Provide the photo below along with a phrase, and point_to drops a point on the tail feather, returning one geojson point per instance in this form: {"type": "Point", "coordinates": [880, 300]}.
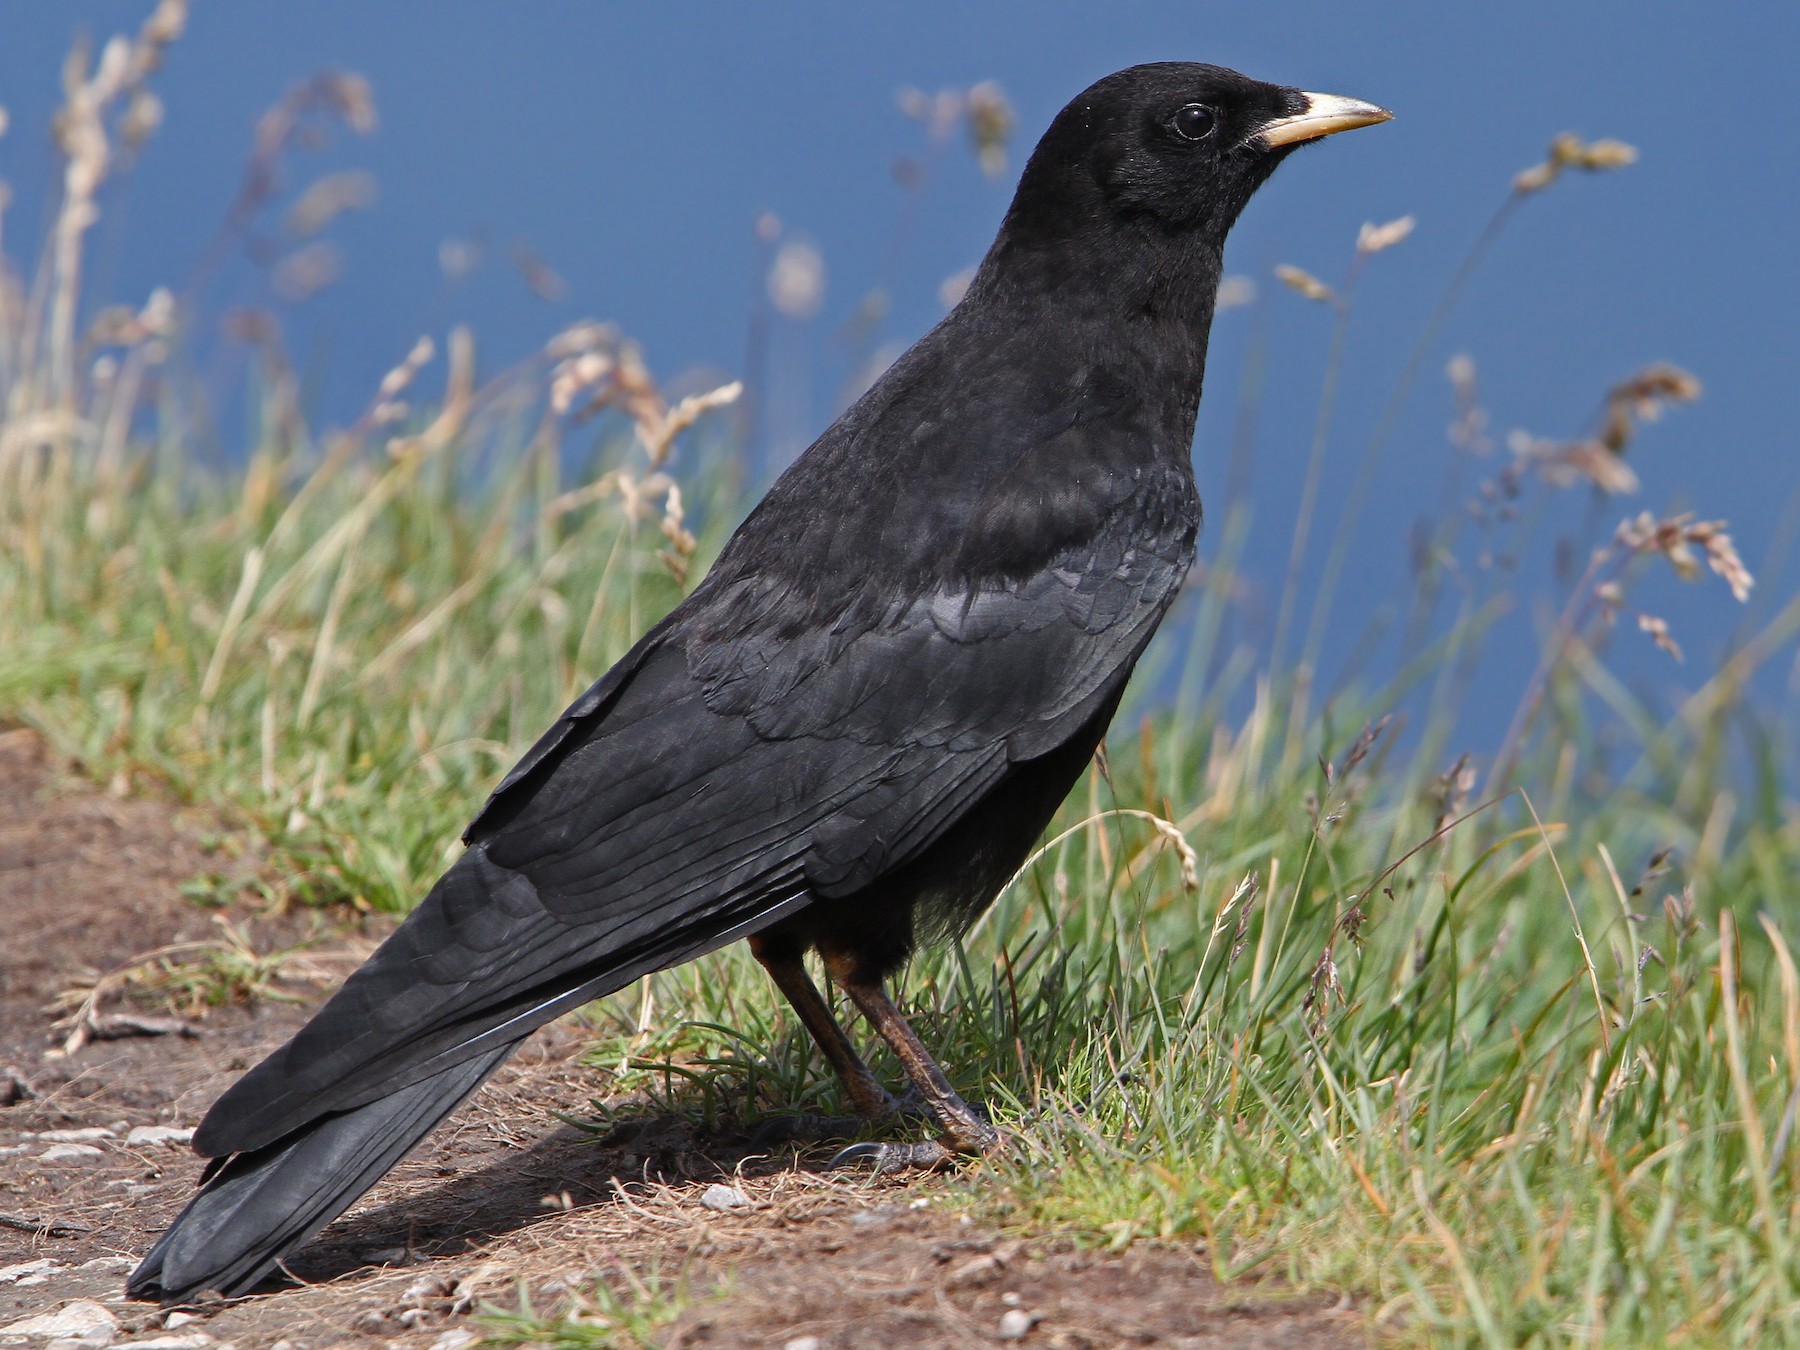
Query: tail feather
{"type": "Point", "coordinates": [256, 1207]}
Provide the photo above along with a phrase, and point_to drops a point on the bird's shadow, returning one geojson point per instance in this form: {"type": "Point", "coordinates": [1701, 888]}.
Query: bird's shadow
{"type": "Point", "coordinates": [514, 1187]}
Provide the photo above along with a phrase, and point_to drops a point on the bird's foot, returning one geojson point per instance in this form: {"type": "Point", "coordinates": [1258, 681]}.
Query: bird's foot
{"type": "Point", "coordinates": [882, 1158]}
{"type": "Point", "coordinates": [966, 1138]}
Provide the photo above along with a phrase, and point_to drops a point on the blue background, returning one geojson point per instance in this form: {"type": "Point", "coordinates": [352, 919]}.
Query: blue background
{"type": "Point", "coordinates": [632, 147]}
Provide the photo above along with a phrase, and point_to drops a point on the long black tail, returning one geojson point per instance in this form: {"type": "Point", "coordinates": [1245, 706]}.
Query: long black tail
{"type": "Point", "coordinates": [256, 1207]}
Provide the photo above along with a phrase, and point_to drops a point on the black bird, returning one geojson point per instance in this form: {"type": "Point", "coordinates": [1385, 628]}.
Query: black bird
{"type": "Point", "coordinates": [854, 729]}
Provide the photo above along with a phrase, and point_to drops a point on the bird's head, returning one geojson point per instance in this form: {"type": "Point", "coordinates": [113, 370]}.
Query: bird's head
{"type": "Point", "coordinates": [1162, 157]}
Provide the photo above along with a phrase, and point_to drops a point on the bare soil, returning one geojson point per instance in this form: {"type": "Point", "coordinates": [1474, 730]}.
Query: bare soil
{"type": "Point", "coordinates": [506, 1199]}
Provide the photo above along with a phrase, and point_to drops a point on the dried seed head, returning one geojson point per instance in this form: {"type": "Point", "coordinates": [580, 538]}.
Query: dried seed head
{"type": "Point", "coordinates": [991, 124]}
{"type": "Point", "coordinates": [143, 115]}
{"type": "Point", "coordinates": [403, 374]}
{"type": "Point", "coordinates": [1321, 987]}
{"type": "Point", "coordinates": [587, 335]}
{"type": "Point", "coordinates": [1608, 154]}
{"type": "Point", "coordinates": [1304, 282]}
{"type": "Point", "coordinates": [307, 271]}
{"type": "Point", "coordinates": [1658, 629]}
{"type": "Point", "coordinates": [1534, 179]}
{"type": "Point", "coordinates": [796, 280]}
{"type": "Point", "coordinates": [575, 375]}
{"type": "Point", "coordinates": [1469, 432]}
{"type": "Point", "coordinates": [1641, 398]}
{"type": "Point", "coordinates": [1190, 860]}
{"type": "Point", "coordinates": [658, 428]}
{"type": "Point", "coordinates": [679, 555]}
{"type": "Point", "coordinates": [1365, 741]}
{"type": "Point", "coordinates": [1374, 238]}
{"type": "Point", "coordinates": [165, 24]}
{"type": "Point", "coordinates": [1722, 556]}
{"type": "Point", "coordinates": [1569, 151]}
{"type": "Point", "coordinates": [1565, 463]}
{"type": "Point", "coordinates": [352, 97]}
{"type": "Point", "coordinates": [328, 198]}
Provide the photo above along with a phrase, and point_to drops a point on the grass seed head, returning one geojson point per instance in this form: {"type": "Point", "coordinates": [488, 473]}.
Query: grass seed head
{"type": "Point", "coordinates": [1304, 282]}
{"type": "Point", "coordinates": [1373, 238]}
{"type": "Point", "coordinates": [327, 198]}
{"type": "Point", "coordinates": [1569, 151]}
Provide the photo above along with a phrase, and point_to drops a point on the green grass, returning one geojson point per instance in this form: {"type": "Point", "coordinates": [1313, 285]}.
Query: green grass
{"type": "Point", "coordinates": [1526, 1076]}
{"type": "Point", "coordinates": [602, 1317]}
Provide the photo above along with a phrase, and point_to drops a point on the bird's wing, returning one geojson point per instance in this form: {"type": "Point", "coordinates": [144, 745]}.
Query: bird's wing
{"type": "Point", "coordinates": [716, 780]}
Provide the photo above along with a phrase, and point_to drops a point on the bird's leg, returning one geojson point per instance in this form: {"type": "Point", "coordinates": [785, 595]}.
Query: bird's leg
{"type": "Point", "coordinates": [965, 1131]}
{"type": "Point", "coordinates": [868, 1098]}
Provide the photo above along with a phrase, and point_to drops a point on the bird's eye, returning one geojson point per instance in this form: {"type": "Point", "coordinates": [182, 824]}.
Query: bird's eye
{"type": "Point", "coordinates": [1195, 122]}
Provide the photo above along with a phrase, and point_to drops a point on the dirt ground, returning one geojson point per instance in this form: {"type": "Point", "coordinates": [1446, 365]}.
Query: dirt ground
{"type": "Point", "coordinates": [505, 1199]}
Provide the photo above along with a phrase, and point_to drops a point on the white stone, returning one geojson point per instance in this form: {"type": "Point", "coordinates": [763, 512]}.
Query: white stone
{"type": "Point", "coordinates": [723, 1197]}
{"type": "Point", "coordinates": [178, 1319]}
{"type": "Point", "coordinates": [12, 1274]}
{"type": "Point", "coordinates": [83, 1319]}
{"type": "Point", "coordinates": [71, 1153]}
{"type": "Point", "coordinates": [188, 1340]}
{"type": "Point", "coordinates": [74, 1136]}
{"type": "Point", "coordinates": [455, 1339]}
{"type": "Point", "coordinates": [159, 1134]}
{"type": "Point", "coordinates": [1016, 1324]}
{"type": "Point", "coordinates": [804, 1343]}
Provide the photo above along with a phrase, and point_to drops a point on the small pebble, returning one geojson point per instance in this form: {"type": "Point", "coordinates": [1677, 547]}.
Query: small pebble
{"type": "Point", "coordinates": [804, 1343]}
{"type": "Point", "coordinates": [159, 1134]}
{"type": "Point", "coordinates": [1016, 1324]}
{"type": "Point", "coordinates": [724, 1197]}
{"type": "Point", "coordinates": [178, 1319]}
{"type": "Point", "coordinates": [71, 1136]}
{"type": "Point", "coordinates": [34, 1271]}
{"type": "Point", "coordinates": [455, 1339]}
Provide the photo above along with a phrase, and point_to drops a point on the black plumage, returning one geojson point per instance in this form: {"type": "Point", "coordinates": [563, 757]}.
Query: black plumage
{"type": "Point", "coordinates": [857, 725]}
